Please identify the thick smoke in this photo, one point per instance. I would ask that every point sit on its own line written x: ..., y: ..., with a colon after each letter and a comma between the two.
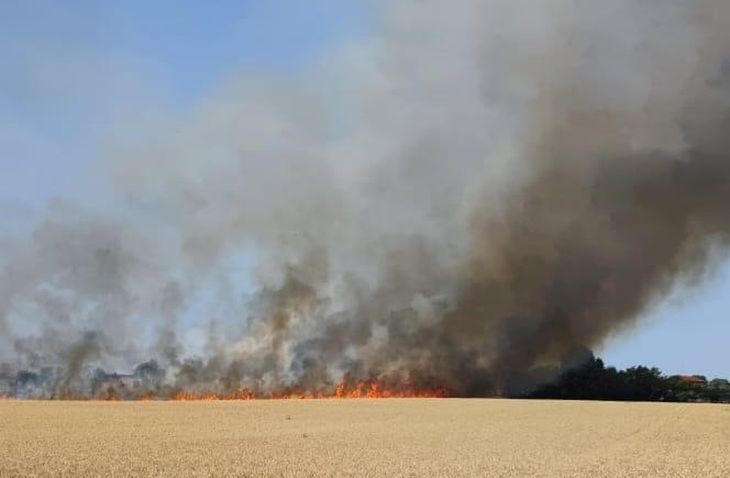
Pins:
x: 482, y: 188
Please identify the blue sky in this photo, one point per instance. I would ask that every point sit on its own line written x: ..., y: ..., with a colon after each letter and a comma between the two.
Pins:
x: 71, y: 69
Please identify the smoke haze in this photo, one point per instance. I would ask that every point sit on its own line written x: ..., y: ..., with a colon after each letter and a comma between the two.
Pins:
x: 481, y: 188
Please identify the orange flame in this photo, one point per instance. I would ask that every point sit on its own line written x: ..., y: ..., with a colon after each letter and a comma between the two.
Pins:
x: 372, y: 388
x: 364, y: 389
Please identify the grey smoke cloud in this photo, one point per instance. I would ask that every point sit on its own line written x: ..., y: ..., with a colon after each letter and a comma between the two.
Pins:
x: 480, y: 189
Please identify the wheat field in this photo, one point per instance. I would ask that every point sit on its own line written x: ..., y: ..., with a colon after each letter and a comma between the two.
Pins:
x: 398, y: 437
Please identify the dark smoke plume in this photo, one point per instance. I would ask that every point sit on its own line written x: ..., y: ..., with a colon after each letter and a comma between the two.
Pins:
x: 506, y: 182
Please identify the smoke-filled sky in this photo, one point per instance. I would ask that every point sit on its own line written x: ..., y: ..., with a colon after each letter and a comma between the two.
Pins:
x: 272, y: 184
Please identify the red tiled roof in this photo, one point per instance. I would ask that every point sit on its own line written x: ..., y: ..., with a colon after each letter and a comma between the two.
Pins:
x: 692, y: 379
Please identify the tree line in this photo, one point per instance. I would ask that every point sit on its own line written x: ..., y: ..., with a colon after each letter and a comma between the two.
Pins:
x: 592, y: 380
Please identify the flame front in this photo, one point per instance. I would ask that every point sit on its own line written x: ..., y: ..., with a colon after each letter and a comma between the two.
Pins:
x: 364, y: 389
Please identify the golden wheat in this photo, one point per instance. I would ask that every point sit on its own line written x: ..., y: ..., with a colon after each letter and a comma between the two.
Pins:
x: 400, y: 437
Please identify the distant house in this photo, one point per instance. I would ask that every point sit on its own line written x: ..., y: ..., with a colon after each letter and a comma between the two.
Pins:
x: 121, y: 381
x: 146, y: 376
x: 113, y: 384
x: 693, y: 380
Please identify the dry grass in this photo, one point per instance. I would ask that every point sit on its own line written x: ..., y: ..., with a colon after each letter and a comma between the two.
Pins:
x: 365, y: 438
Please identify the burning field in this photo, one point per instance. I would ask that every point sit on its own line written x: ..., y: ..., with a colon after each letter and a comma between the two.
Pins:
x: 407, y: 437
x: 462, y: 205
x: 485, y: 188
